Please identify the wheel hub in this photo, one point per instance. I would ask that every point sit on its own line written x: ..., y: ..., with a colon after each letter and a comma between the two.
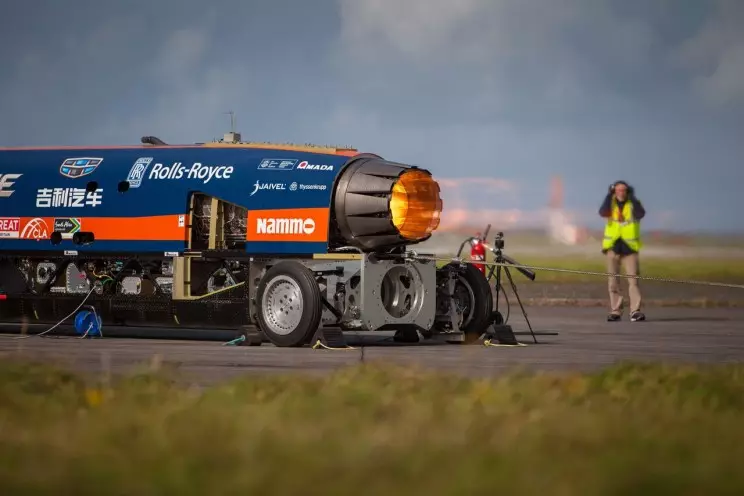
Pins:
x: 465, y: 298
x: 282, y: 305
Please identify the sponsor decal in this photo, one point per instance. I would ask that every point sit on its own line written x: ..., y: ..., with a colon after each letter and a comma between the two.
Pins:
x: 181, y: 221
x: 137, y: 172
x: 307, y: 187
x: 68, y: 197
x: 277, y: 164
x: 79, y: 167
x: 196, y: 171
x: 10, y: 227
x: 35, y: 228
x: 6, y: 181
x: 288, y: 225
x: 67, y: 227
x: 305, y: 165
x: 270, y: 186
x: 295, y: 225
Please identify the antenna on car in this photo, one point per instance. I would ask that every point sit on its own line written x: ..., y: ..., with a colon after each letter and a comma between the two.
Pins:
x: 153, y: 140
x: 232, y: 136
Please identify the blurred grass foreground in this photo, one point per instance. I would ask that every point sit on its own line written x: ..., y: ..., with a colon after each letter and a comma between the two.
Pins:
x: 372, y: 429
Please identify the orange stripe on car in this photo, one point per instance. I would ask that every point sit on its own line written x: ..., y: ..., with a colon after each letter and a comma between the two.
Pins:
x: 153, y: 228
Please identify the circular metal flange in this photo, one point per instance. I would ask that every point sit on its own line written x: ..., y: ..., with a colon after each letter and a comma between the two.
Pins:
x: 401, y: 291
x: 282, y: 305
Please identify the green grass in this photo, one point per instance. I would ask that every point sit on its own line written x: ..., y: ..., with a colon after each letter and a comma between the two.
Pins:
x: 714, y: 270
x: 371, y: 429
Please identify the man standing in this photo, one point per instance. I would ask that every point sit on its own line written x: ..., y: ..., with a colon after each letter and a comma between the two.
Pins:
x: 621, y: 245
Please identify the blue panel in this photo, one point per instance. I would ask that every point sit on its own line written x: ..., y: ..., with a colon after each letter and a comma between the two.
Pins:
x: 286, y: 248
x: 158, y: 246
x: 38, y: 183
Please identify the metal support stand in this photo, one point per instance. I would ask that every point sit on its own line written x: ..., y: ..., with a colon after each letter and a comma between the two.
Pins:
x: 252, y: 336
x: 501, y: 260
x: 503, y: 334
x: 329, y: 337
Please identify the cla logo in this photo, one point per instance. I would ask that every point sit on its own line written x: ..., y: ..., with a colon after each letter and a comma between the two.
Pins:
x: 6, y: 181
x: 35, y: 229
x: 260, y: 186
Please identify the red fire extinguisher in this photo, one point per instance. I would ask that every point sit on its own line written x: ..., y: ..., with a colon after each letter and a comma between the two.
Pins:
x: 478, y: 253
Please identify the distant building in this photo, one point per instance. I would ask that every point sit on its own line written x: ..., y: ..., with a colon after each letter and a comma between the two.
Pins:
x: 561, y: 229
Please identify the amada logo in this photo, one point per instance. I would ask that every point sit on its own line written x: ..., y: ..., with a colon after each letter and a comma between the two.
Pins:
x: 267, y: 186
x: 305, y: 165
x: 288, y: 225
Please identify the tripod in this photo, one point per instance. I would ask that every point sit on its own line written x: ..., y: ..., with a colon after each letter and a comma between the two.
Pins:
x: 502, y: 259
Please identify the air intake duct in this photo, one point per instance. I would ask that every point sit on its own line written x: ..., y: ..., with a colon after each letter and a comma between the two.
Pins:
x: 379, y: 204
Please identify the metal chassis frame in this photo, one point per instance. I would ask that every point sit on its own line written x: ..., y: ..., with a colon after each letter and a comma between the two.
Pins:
x: 362, y: 307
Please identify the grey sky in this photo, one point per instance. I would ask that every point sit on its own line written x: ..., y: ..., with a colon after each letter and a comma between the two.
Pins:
x: 651, y: 91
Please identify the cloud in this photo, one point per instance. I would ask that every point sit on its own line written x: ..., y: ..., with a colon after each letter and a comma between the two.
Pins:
x: 521, y: 59
x: 191, y: 94
x: 54, y: 92
x: 716, y: 55
x: 515, y: 91
x: 113, y: 79
x: 414, y: 29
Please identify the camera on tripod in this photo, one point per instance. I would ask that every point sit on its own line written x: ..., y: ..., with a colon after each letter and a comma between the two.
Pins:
x: 498, y: 241
x: 501, y: 265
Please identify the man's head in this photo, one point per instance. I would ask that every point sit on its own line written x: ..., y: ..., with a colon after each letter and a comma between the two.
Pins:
x: 621, y: 190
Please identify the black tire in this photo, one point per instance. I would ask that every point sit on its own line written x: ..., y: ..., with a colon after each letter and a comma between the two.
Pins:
x: 300, y: 327
x: 482, y: 306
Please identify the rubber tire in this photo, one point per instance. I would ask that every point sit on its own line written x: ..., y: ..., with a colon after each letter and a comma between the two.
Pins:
x: 311, y: 298
x: 483, y: 304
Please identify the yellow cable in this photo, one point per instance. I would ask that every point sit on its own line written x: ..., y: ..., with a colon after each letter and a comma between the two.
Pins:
x: 319, y: 345
x: 489, y: 344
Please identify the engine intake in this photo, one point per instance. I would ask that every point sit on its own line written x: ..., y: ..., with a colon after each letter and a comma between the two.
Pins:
x: 379, y: 204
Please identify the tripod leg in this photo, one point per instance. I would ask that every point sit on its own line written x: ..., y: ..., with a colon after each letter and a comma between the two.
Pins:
x: 524, y: 313
x: 498, y: 287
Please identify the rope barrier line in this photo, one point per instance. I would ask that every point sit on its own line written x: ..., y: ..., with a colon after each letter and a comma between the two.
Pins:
x: 581, y: 272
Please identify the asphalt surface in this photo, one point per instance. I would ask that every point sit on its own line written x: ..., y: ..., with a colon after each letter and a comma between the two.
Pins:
x: 585, y: 341
x: 654, y: 293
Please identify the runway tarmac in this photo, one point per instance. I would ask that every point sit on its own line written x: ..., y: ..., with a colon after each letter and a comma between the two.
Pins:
x: 585, y: 341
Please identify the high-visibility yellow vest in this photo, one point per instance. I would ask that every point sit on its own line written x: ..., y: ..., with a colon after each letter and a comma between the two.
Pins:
x: 629, y: 229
